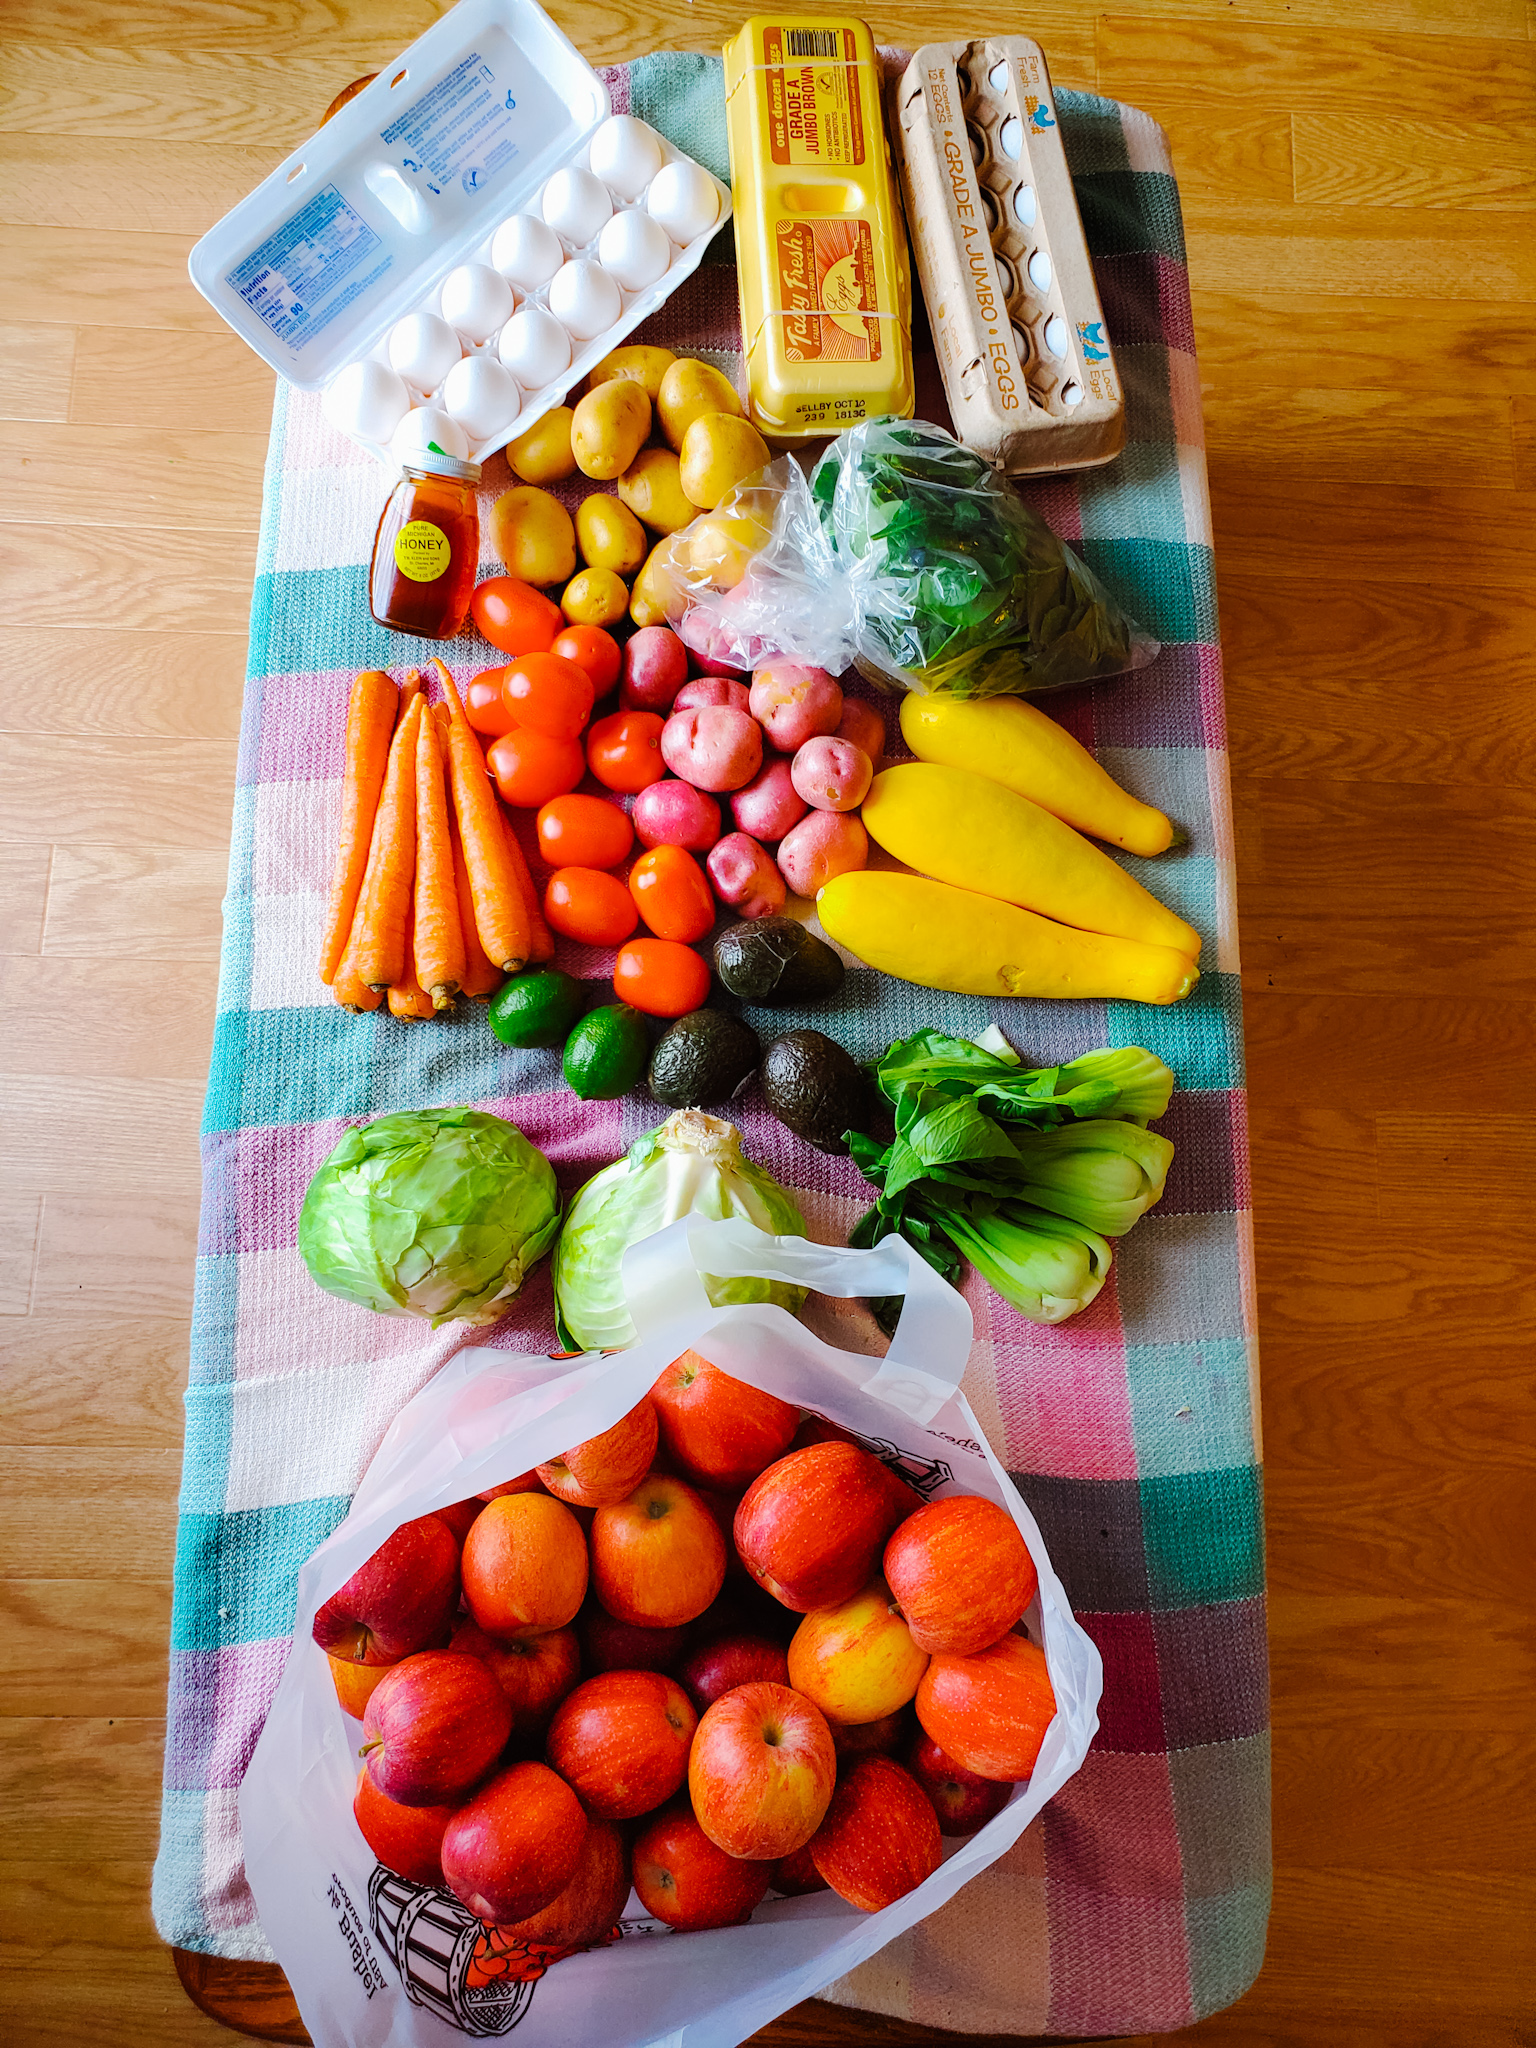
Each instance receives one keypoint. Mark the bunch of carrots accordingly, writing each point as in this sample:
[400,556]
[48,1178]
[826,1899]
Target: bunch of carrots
[431,898]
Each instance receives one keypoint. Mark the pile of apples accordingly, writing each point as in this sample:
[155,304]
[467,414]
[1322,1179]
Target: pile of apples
[798,1674]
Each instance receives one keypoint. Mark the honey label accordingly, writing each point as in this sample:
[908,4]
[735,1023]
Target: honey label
[813,97]
[829,296]
[422,551]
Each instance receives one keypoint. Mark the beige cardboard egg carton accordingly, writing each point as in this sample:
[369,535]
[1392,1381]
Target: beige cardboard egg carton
[1002,258]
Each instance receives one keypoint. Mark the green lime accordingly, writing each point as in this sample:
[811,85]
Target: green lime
[536,1007]
[607,1052]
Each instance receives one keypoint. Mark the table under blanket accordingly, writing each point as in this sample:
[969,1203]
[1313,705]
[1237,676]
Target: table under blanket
[1140,1898]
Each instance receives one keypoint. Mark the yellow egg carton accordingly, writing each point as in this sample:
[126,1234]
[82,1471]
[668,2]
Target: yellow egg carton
[1002,258]
[820,254]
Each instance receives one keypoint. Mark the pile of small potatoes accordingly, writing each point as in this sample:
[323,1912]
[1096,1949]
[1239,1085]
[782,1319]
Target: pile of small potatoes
[669,434]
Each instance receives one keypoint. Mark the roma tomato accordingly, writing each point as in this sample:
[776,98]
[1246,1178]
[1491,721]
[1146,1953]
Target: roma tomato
[592,649]
[586,904]
[624,751]
[661,977]
[584,832]
[530,767]
[483,704]
[547,694]
[514,616]
[671,894]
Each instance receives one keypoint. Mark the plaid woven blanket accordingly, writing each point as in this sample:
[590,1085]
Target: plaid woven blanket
[1139,1900]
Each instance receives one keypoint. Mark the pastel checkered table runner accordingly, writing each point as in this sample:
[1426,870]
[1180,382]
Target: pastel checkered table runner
[1140,1899]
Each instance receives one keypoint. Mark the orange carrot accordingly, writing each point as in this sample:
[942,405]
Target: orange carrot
[377,944]
[482,977]
[411,688]
[407,998]
[541,940]
[349,991]
[501,911]
[370,721]
[438,944]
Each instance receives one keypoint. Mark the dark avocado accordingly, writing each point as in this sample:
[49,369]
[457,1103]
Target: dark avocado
[775,960]
[816,1088]
[704,1057]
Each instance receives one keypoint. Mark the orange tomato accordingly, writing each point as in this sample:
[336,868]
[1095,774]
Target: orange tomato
[584,832]
[514,616]
[624,750]
[660,977]
[484,706]
[547,694]
[530,767]
[592,649]
[671,894]
[586,904]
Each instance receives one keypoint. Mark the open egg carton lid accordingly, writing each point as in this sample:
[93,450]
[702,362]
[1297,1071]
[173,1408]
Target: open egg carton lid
[358,230]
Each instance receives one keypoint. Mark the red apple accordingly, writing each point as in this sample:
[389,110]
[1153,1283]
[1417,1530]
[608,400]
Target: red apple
[525,1566]
[962,1801]
[856,1660]
[606,1468]
[621,1742]
[525,1482]
[761,1771]
[590,1904]
[990,1711]
[355,1683]
[884,1737]
[683,1879]
[407,1839]
[719,1667]
[961,1574]
[812,1527]
[657,1558]
[880,1838]
[609,1645]
[719,1431]
[460,1516]
[515,1847]
[795,1875]
[535,1672]
[816,1429]
[435,1724]
[723,1507]
[396,1602]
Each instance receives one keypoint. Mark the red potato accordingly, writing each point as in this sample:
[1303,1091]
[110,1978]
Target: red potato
[793,703]
[769,805]
[674,813]
[826,844]
[862,724]
[718,645]
[715,748]
[654,669]
[743,874]
[705,690]
[832,774]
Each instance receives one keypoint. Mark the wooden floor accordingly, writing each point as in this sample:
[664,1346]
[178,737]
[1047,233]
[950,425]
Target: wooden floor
[1359,181]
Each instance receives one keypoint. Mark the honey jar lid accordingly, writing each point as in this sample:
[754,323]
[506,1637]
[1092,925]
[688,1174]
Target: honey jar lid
[432,462]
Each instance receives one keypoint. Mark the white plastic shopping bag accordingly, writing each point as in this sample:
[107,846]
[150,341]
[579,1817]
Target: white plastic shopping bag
[377,1961]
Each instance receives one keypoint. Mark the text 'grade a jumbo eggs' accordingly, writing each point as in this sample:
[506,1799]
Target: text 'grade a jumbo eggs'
[527,251]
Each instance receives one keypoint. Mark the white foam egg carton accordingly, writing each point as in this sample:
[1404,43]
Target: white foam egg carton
[335,268]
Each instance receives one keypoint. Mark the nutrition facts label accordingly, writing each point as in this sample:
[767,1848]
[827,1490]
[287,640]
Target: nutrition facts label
[316,264]
[462,131]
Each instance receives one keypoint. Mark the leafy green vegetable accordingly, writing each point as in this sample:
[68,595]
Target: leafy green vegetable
[437,1213]
[956,580]
[692,1165]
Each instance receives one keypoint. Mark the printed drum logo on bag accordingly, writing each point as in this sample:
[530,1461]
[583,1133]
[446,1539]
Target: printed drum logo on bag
[923,1475]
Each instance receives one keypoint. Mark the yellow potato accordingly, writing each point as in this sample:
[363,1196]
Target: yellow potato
[719,452]
[656,584]
[609,428]
[533,534]
[609,535]
[645,366]
[543,455]
[688,389]
[594,597]
[651,490]
[721,547]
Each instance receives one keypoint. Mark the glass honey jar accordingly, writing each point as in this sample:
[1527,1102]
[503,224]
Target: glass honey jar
[427,549]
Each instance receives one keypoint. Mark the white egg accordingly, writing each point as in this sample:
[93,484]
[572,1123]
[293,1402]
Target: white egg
[477,300]
[413,438]
[423,349]
[534,347]
[683,198]
[584,298]
[576,204]
[482,396]
[626,155]
[367,400]
[634,250]
[527,251]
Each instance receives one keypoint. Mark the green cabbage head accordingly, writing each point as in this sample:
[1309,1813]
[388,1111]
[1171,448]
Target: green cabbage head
[438,1213]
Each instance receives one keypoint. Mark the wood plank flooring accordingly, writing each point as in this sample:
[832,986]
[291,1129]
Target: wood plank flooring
[1359,179]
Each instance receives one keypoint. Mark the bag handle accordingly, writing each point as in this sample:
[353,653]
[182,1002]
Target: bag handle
[927,1355]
